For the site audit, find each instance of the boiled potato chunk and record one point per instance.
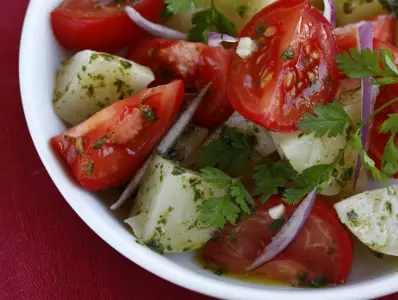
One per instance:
(373, 218)
(165, 212)
(90, 81)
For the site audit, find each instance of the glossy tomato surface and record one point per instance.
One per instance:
(107, 149)
(87, 24)
(384, 28)
(321, 254)
(292, 70)
(197, 65)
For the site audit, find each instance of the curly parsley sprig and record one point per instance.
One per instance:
(217, 211)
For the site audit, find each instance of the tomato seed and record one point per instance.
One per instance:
(270, 31)
(315, 55)
(307, 49)
(288, 79)
(265, 80)
(311, 76)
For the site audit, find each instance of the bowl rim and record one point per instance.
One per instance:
(160, 265)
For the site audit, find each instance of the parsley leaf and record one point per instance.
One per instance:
(389, 161)
(177, 6)
(367, 63)
(331, 119)
(366, 161)
(391, 124)
(271, 176)
(205, 21)
(309, 179)
(230, 152)
(216, 211)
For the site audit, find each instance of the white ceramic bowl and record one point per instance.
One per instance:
(39, 58)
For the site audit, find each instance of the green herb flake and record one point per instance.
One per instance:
(148, 113)
(277, 225)
(98, 144)
(155, 246)
(320, 281)
(89, 168)
(126, 64)
(288, 54)
(93, 57)
(331, 250)
(388, 207)
(177, 170)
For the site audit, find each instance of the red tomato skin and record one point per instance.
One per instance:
(107, 149)
(253, 233)
(384, 28)
(275, 106)
(197, 64)
(106, 33)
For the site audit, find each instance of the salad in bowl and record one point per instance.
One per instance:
(255, 139)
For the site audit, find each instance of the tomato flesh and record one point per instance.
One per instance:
(107, 149)
(322, 249)
(85, 24)
(197, 64)
(293, 69)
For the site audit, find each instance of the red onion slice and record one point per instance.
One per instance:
(329, 12)
(365, 40)
(288, 232)
(174, 133)
(215, 39)
(153, 28)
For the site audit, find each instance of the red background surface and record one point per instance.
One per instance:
(46, 251)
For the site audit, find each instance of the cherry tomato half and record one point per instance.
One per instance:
(197, 65)
(292, 70)
(107, 149)
(322, 251)
(86, 24)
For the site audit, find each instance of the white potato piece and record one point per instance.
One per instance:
(353, 11)
(165, 216)
(90, 81)
(373, 218)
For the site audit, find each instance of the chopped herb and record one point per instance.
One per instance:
(98, 144)
(320, 281)
(302, 278)
(148, 113)
(288, 54)
(277, 225)
(352, 215)
(155, 246)
(233, 237)
(68, 138)
(177, 170)
(388, 206)
(126, 64)
(84, 68)
(331, 250)
(93, 57)
(89, 168)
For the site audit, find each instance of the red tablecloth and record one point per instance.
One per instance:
(46, 251)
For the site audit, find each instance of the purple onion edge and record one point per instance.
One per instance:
(288, 232)
(365, 40)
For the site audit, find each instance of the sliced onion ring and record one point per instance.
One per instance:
(329, 12)
(215, 39)
(288, 232)
(174, 133)
(153, 28)
(365, 40)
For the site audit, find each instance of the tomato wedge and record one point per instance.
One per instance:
(384, 28)
(293, 69)
(197, 64)
(107, 149)
(321, 253)
(86, 24)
